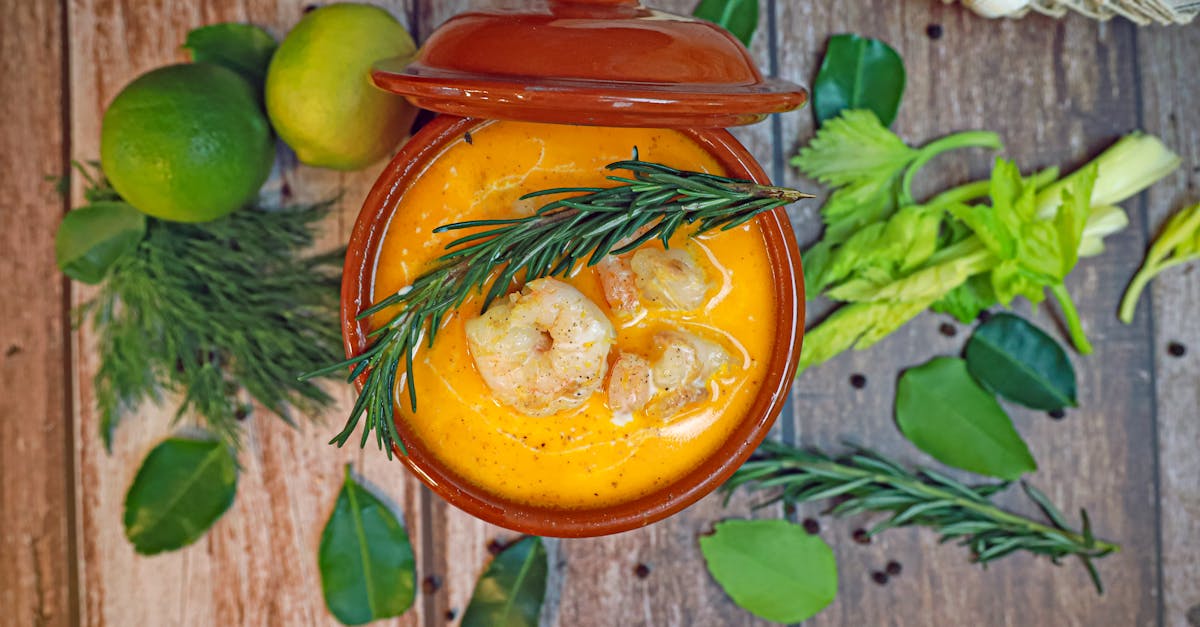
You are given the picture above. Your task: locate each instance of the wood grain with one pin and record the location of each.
(36, 547)
(1057, 92)
(1169, 93)
(257, 566)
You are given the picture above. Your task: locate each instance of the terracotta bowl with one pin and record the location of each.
(358, 279)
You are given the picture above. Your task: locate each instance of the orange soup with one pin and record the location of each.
(588, 455)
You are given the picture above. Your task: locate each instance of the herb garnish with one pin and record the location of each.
(865, 481)
(583, 228)
(216, 311)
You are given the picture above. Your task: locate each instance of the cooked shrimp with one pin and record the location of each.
(629, 385)
(544, 350)
(679, 377)
(670, 279)
(618, 283)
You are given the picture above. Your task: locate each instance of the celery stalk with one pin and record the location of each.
(1134, 163)
(1178, 243)
(1127, 167)
(965, 139)
(1104, 221)
(1071, 316)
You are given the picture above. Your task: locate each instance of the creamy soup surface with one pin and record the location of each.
(588, 455)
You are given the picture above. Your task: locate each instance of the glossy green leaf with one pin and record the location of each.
(1021, 363)
(243, 48)
(366, 561)
(945, 413)
(771, 568)
(510, 592)
(739, 17)
(182, 488)
(91, 239)
(858, 73)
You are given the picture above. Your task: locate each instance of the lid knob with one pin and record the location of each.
(603, 62)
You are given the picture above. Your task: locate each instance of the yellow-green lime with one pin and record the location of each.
(187, 142)
(319, 93)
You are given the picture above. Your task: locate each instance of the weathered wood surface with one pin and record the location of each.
(1169, 111)
(36, 541)
(257, 566)
(1057, 91)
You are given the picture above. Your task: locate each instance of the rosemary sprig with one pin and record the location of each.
(864, 481)
(590, 223)
(219, 313)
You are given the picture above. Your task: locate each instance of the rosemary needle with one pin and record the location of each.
(583, 227)
(865, 481)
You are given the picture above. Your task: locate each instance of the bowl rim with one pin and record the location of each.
(358, 277)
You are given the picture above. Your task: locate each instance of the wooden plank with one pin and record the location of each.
(36, 548)
(257, 566)
(1058, 92)
(1168, 58)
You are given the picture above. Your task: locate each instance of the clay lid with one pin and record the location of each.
(601, 62)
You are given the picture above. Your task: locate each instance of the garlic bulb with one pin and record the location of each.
(996, 8)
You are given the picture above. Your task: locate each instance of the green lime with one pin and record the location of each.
(186, 142)
(319, 92)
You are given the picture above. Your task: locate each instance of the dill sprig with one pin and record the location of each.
(592, 222)
(864, 481)
(219, 313)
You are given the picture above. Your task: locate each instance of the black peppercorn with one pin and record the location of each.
(1175, 349)
(947, 329)
(1058, 414)
(431, 584)
(934, 31)
(893, 568)
(858, 381)
(812, 526)
(861, 536)
(879, 577)
(641, 570)
(495, 547)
